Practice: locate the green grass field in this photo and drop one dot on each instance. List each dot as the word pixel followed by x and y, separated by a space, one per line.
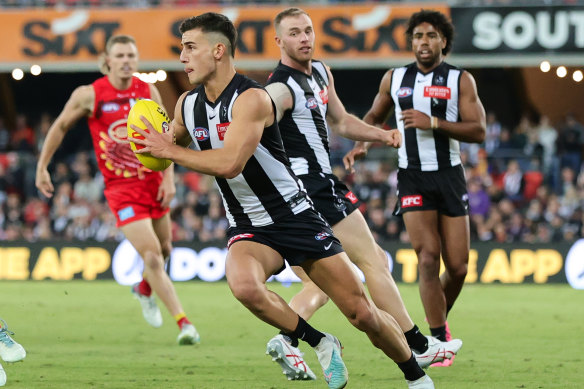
pixel 92 335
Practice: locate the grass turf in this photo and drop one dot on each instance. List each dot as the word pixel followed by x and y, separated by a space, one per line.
pixel 91 335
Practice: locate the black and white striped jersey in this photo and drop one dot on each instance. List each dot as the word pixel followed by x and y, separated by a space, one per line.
pixel 304 128
pixel 267 189
pixel 435 94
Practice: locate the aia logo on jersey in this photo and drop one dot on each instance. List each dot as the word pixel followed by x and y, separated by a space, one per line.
pixel 352 198
pixel 311 103
pixel 201 134
pixel 324 95
pixel 437 92
pixel 238 237
pixel 222 129
pixel 322 235
pixel 411 201
pixel 404 91
pixel 110 107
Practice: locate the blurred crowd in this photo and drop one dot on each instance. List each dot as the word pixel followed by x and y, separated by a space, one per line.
pixel 525 184
pixel 69 4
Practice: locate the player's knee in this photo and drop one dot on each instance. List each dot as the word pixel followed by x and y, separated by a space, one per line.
pixel 362 316
pixel 429 261
pixel 248 293
pixel 458 273
pixel 318 297
pixel 152 260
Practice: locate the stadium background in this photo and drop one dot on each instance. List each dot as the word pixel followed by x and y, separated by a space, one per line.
pixel 526 222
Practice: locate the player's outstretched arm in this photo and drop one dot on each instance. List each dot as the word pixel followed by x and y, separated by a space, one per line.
pixel 376 116
pixel 79 105
pixel 252 112
pixel 350 126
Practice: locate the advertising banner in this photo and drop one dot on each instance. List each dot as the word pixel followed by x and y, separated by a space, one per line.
pixel 72 40
pixel 489 263
pixel 519 30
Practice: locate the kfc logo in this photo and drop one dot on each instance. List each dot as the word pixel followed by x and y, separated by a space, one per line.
pixel 411 201
pixel 352 198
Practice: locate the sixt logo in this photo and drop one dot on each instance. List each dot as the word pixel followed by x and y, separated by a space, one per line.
pixel 201 134
pixel 311 103
pixel 404 91
pixel 322 235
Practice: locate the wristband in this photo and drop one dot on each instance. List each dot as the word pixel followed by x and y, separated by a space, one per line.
pixel 433 122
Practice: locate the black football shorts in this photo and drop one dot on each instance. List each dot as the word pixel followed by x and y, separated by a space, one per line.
pixel 441 190
pixel 330 197
pixel 297 238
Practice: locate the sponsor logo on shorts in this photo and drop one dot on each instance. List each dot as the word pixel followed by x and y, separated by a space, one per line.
pixel 238 237
pixel 352 198
pixel 201 134
pixel 438 92
pixel 404 91
pixel 165 127
pixel 322 235
pixel 222 129
pixel 126 213
pixel 340 205
pixel 328 246
pixel 411 201
pixel 311 103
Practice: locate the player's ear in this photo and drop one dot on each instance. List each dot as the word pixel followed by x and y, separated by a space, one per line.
pixel 219 50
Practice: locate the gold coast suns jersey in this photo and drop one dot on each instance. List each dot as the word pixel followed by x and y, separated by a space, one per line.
pixel 109 133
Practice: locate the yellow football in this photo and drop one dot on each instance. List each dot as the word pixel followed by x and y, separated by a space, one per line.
pixel 160 121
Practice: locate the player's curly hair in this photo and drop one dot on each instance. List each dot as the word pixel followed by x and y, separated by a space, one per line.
pixel 438 20
pixel 102 63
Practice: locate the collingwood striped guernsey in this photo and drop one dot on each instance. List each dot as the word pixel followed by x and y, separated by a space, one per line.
pixel 266 189
pixel 435 94
pixel 304 128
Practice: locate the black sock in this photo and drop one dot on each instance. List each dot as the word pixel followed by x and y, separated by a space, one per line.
pixel 439 333
pixel 416 340
pixel 306 332
pixel 412 371
pixel 290 338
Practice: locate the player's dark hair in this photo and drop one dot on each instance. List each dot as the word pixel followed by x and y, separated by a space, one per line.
pixel 212 22
pixel 438 20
